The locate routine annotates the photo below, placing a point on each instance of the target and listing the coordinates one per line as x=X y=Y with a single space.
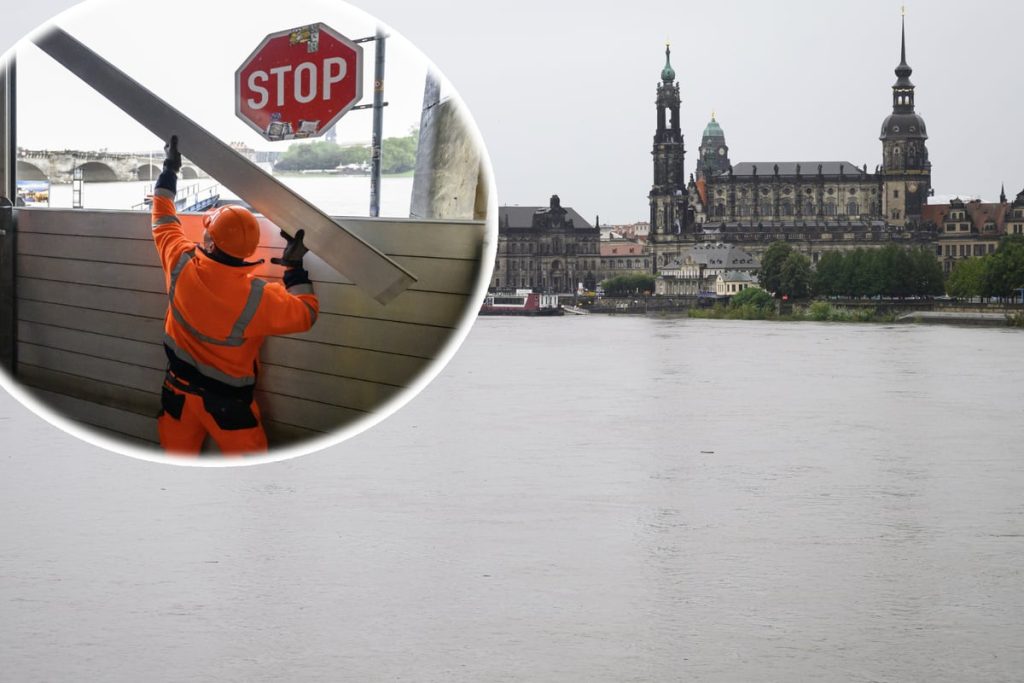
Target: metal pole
x=9 y=142
x=378 y=124
x=8 y=196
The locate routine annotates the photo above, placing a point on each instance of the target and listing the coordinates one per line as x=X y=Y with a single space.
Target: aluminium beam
x=366 y=266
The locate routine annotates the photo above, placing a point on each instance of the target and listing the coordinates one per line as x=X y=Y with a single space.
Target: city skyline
x=563 y=95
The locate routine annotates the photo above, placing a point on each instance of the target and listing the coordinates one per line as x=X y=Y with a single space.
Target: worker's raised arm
x=294 y=306
x=167 y=233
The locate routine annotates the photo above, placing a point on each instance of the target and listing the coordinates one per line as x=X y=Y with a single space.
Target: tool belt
x=230 y=407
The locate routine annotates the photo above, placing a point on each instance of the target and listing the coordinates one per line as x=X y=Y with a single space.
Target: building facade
x=973 y=228
x=622 y=256
x=548 y=249
x=706 y=268
x=818 y=205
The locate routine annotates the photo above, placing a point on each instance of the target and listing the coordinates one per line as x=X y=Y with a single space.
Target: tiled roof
x=621 y=248
x=979 y=213
x=737 y=276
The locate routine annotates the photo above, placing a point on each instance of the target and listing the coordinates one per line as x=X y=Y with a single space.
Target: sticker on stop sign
x=298 y=83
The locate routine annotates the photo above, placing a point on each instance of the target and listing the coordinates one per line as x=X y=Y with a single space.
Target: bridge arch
x=97 y=171
x=29 y=171
x=147 y=172
x=189 y=173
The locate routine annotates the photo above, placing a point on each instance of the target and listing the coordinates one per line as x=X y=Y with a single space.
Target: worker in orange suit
x=218 y=315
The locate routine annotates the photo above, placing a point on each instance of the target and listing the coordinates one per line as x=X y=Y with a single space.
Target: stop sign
x=297 y=83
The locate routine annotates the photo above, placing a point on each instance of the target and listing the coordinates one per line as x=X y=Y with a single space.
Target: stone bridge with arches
x=59 y=166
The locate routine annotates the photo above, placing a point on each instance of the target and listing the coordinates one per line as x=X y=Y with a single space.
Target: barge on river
x=521 y=302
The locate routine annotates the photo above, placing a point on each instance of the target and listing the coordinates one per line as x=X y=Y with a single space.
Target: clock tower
x=671 y=213
x=906 y=171
x=714 y=153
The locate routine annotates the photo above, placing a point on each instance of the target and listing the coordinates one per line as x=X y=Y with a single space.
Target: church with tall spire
x=671 y=214
x=824 y=203
x=906 y=172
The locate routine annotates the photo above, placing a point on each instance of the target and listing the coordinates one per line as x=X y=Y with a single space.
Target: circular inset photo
x=229 y=236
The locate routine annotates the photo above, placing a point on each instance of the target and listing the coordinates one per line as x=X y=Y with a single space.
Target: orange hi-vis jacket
x=219 y=314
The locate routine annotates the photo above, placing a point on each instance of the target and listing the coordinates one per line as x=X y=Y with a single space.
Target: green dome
x=668 y=73
x=713 y=130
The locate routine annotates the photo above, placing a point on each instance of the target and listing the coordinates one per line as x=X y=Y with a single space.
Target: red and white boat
x=521 y=302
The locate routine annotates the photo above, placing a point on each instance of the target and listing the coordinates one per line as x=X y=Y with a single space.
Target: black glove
x=172 y=160
x=293 y=251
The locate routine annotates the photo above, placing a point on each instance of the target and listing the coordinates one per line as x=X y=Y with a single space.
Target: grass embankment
x=818 y=311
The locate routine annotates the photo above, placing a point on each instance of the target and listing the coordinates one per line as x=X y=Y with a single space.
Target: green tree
x=968 y=278
x=858 y=269
x=1005 y=271
x=927 y=273
x=355 y=154
x=755 y=297
x=795 y=276
x=628 y=284
x=302 y=156
x=828 y=276
x=398 y=155
x=902 y=276
x=770 y=275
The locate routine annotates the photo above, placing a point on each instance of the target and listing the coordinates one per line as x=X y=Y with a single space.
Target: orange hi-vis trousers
x=233 y=423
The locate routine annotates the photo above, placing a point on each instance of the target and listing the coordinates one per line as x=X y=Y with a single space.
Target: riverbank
x=824 y=311
x=854 y=311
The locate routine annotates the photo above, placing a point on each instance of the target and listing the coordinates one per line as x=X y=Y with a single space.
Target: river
x=572 y=499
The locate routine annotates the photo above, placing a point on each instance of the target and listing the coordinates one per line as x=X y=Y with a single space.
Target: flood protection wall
x=90 y=304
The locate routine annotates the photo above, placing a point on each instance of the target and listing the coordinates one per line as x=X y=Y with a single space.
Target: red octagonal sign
x=297 y=83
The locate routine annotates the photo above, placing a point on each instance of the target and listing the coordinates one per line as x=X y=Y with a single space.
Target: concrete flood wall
x=90 y=304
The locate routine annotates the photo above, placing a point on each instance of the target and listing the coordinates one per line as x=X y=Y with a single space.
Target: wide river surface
x=574 y=499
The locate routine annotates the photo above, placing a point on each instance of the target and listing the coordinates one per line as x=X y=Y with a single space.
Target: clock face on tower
x=721 y=151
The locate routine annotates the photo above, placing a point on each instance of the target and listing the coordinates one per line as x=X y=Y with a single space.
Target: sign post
x=297 y=83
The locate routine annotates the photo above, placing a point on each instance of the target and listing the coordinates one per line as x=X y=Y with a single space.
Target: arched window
x=830 y=209
x=786 y=207
x=853 y=208
x=809 y=208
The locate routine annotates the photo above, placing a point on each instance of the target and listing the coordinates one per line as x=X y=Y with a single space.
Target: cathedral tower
x=671 y=215
x=906 y=171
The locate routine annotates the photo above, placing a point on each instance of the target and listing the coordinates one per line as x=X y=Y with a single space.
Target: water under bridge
x=59 y=166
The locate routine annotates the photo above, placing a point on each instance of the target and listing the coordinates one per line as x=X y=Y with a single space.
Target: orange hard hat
x=234 y=230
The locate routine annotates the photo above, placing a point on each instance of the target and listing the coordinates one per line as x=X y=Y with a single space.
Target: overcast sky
x=563 y=92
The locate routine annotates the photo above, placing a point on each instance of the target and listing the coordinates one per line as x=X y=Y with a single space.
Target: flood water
x=575 y=499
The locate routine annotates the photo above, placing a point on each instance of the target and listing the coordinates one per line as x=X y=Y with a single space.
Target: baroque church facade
x=816 y=205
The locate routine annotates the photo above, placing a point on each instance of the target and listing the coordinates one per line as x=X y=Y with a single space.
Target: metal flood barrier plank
x=368 y=267
x=91 y=304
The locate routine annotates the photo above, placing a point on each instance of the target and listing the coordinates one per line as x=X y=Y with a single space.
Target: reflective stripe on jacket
x=218 y=314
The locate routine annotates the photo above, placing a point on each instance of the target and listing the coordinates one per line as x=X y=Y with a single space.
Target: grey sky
x=563 y=92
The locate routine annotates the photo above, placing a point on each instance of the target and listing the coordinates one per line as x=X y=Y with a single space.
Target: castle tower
x=714 y=153
x=906 y=171
x=671 y=216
